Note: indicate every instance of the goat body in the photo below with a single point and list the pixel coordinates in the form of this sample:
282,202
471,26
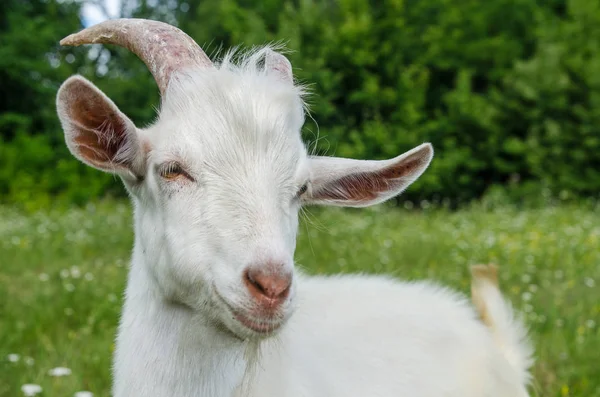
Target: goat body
349,336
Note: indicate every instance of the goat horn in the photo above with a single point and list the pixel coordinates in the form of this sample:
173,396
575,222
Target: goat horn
163,47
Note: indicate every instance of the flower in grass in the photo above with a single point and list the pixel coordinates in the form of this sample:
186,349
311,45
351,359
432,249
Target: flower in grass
13,358
59,371
28,361
83,394
589,282
75,272
590,323
31,389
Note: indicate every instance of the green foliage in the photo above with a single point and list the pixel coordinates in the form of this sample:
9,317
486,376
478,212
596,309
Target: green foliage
31,67
508,91
63,274
551,103
34,175
36,168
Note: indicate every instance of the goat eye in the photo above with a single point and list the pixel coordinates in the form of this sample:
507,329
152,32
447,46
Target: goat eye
302,190
172,171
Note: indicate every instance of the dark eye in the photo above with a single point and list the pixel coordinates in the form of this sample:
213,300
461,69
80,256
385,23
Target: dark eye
173,171
302,190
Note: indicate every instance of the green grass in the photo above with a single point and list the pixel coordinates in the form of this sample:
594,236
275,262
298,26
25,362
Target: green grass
62,275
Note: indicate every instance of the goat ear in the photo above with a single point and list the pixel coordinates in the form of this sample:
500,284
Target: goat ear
360,183
279,65
96,131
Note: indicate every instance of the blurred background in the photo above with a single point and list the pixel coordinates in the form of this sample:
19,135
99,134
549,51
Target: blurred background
508,92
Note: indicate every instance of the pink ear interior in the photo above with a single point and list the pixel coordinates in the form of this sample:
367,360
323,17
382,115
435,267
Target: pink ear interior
360,183
363,187
102,131
96,131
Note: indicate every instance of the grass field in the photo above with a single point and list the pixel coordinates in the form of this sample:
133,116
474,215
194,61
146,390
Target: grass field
62,274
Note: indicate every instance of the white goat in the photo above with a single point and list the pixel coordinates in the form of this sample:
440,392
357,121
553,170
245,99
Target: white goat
217,183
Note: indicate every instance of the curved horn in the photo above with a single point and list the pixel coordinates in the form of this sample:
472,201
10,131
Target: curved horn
163,47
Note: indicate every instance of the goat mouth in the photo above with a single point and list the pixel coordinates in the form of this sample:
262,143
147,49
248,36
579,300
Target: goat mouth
258,326
263,327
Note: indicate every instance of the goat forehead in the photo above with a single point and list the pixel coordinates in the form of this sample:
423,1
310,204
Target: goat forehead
220,100
233,122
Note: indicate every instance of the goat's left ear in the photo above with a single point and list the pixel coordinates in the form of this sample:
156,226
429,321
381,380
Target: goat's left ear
360,183
97,132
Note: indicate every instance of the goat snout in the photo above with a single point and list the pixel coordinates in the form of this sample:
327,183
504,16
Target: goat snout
269,287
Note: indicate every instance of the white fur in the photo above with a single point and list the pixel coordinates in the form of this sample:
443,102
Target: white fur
380,337
235,129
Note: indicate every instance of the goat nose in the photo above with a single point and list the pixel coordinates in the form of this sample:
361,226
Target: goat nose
273,285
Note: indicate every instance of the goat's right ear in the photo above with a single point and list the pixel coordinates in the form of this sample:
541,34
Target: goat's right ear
97,132
361,183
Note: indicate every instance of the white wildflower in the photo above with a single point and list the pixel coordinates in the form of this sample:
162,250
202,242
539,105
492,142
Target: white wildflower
83,394
589,282
59,371
13,358
31,389
590,323
75,272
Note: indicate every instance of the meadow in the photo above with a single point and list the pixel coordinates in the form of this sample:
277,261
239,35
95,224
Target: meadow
62,274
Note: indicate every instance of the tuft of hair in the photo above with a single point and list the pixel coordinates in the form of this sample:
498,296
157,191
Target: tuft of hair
251,62
237,73
508,329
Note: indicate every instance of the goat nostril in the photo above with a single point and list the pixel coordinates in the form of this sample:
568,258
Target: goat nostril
254,283
271,286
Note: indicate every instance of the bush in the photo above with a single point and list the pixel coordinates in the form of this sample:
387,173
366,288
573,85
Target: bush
508,91
33,174
551,103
